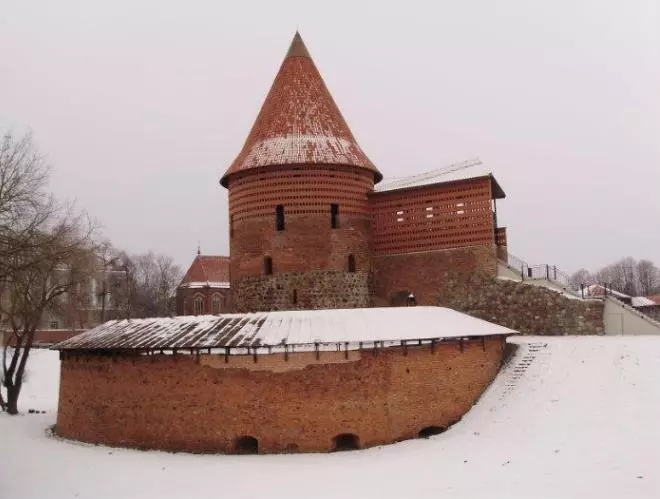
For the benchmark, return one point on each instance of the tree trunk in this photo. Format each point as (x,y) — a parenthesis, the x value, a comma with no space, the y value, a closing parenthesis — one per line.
(12,398)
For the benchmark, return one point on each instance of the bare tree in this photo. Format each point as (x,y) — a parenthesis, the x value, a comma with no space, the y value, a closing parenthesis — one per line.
(647,276)
(150,285)
(582,277)
(45,250)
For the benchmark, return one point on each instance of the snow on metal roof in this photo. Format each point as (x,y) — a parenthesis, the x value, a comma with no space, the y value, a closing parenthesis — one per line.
(206,284)
(471,168)
(350,327)
(642,301)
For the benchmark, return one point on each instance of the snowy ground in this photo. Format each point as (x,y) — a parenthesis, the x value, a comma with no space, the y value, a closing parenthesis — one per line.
(567,418)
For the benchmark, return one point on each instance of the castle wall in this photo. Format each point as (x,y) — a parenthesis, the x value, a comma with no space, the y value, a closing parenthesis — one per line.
(450,215)
(524,307)
(203,404)
(427,274)
(308,255)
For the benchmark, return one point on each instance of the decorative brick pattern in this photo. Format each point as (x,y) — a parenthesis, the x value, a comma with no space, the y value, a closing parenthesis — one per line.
(183,403)
(451,215)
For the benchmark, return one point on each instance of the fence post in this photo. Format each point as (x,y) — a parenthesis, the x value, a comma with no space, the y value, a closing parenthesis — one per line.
(547,271)
(554,269)
(522,271)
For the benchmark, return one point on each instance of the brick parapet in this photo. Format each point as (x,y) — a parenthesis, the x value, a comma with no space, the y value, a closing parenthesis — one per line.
(202,404)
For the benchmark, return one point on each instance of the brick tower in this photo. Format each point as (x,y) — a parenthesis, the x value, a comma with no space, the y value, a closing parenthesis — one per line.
(298,207)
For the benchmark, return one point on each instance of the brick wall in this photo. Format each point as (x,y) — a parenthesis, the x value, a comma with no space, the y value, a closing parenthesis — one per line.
(524,307)
(201,404)
(448,215)
(308,244)
(425,274)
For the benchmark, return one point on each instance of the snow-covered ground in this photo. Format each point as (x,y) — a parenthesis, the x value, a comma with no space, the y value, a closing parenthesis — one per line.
(569,417)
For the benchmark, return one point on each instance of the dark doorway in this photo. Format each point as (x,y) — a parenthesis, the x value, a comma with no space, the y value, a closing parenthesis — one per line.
(345,441)
(246,445)
(429,431)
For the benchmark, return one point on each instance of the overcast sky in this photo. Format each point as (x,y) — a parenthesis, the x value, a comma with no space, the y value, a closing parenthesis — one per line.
(142,105)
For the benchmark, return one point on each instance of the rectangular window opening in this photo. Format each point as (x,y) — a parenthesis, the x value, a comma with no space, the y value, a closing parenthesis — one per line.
(279,217)
(334,216)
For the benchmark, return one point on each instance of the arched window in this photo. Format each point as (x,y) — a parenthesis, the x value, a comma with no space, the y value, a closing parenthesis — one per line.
(198,305)
(345,441)
(246,445)
(279,217)
(351,263)
(268,265)
(216,304)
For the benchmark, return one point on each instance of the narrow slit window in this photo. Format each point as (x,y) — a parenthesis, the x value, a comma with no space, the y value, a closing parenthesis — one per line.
(294,299)
(351,263)
(334,216)
(268,265)
(279,217)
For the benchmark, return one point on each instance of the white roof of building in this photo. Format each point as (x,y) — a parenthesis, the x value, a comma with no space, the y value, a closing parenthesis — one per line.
(271,331)
(472,168)
(205,284)
(642,301)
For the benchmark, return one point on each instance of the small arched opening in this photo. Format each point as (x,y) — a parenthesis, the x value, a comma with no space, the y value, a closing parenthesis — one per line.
(345,441)
(246,445)
(429,431)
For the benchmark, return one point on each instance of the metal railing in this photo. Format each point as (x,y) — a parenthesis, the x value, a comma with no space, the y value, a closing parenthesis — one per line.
(548,272)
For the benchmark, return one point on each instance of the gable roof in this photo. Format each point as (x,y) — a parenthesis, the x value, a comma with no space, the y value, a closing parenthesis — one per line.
(299,123)
(207,271)
(268,332)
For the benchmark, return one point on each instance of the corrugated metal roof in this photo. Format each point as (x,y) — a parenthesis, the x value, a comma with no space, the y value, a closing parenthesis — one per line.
(277,329)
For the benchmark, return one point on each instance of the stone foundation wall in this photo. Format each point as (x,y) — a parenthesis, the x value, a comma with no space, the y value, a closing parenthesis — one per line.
(204,404)
(302,291)
(524,307)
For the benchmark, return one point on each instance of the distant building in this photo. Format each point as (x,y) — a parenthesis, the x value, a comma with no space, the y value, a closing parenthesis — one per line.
(205,287)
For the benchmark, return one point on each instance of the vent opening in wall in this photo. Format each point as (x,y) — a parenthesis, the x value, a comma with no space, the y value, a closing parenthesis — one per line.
(294,298)
(345,441)
(268,265)
(246,445)
(351,263)
(279,217)
(334,216)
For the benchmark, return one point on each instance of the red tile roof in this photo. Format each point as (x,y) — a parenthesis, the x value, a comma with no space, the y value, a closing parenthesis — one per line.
(206,268)
(655,298)
(299,122)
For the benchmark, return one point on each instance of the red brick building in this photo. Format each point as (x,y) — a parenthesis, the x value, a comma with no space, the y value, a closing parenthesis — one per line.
(205,287)
(312,226)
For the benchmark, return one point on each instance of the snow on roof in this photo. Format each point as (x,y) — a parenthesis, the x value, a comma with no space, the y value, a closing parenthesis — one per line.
(642,301)
(299,123)
(207,270)
(276,329)
(471,168)
(206,284)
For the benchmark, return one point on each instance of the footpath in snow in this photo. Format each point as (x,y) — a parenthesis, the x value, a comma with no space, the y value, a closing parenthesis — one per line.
(568,417)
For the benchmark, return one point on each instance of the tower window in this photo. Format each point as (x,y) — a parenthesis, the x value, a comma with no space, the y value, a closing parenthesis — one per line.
(351,263)
(268,265)
(279,217)
(334,216)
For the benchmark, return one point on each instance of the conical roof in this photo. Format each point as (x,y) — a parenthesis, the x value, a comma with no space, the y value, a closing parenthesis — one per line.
(299,122)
